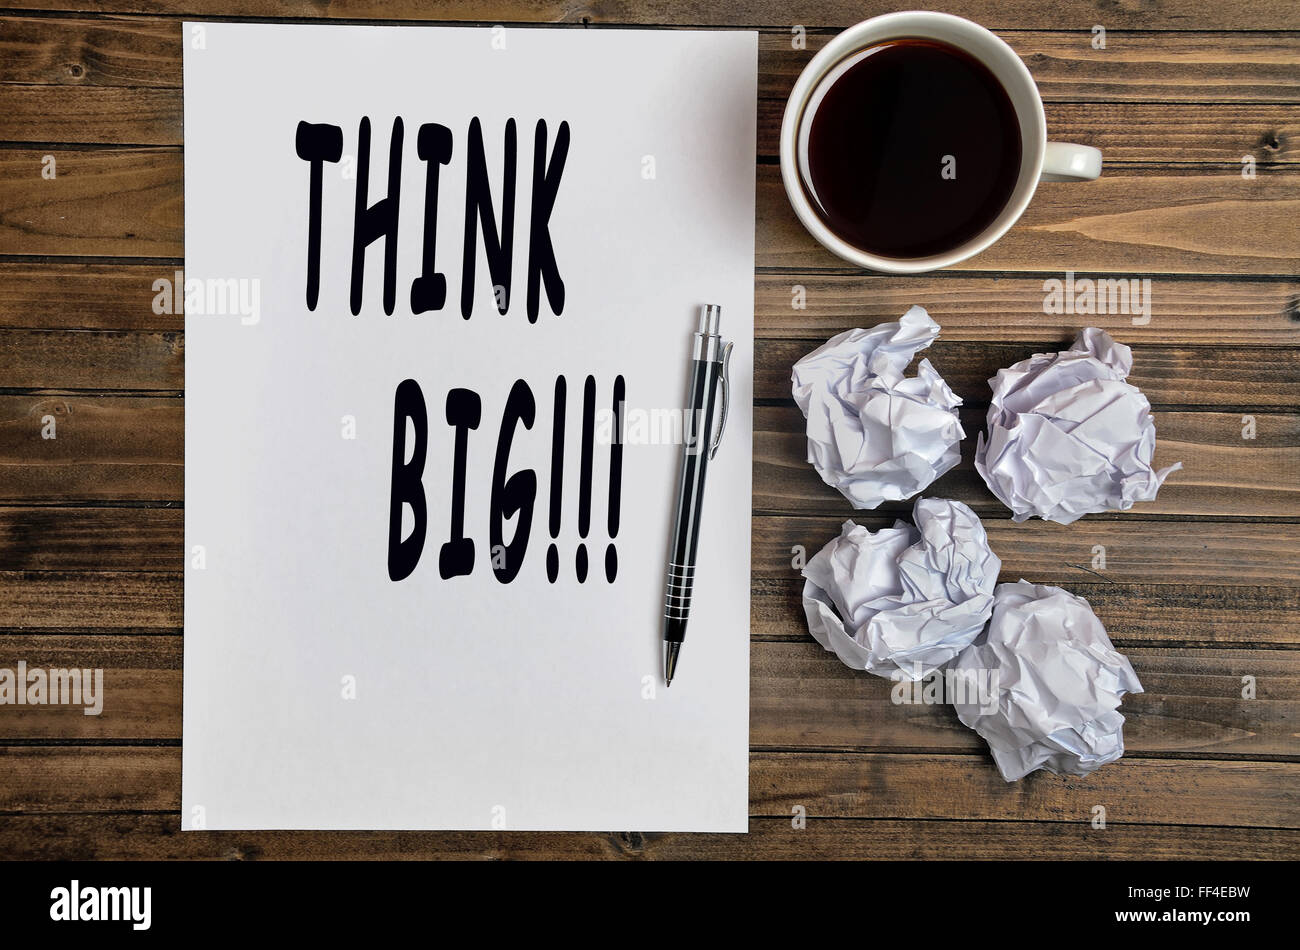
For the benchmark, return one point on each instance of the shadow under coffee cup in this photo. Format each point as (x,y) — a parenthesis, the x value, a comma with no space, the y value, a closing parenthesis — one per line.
(913,141)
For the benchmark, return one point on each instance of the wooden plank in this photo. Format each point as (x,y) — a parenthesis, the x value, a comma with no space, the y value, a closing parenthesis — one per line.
(1185,615)
(113,202)
(1195,616)
(1161,132)
(1151,132)
(66,295)
(1137,551)
(93,539)
(1223,474)
(90,779)
(157,837)
(1186,219)
(801,698)
(1220,376)
(1125,131)
(1163,582)
(1135,66)
(1209,616)
(79,779)
(91,114)
(1129,99)
(105,449)
(101,360)
(90,602)
(969,788)
(1204,67)
(141,693)
(1148,132)
(1186,311)
(1145,97)
(1032,14)
(82,52)
(1171,376)
(126,202)
(130,449)
(997,309)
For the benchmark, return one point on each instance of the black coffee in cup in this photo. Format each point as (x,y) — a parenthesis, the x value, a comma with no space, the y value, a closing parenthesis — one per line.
(913,149)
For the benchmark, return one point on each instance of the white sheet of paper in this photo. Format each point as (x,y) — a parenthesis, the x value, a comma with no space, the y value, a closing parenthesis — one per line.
(319,693)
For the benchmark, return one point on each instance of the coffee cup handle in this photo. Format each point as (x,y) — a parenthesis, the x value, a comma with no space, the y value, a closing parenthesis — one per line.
(1065,162)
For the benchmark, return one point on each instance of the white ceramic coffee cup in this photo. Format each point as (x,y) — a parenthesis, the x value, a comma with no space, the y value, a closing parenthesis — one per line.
(1040,159)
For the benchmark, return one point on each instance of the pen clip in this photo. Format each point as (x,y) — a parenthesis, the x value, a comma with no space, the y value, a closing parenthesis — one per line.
(726,399)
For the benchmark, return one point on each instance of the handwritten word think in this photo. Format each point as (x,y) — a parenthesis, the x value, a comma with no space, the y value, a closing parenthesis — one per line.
(317,144)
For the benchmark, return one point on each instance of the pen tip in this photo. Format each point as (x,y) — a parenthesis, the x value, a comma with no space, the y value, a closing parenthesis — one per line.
(671,651)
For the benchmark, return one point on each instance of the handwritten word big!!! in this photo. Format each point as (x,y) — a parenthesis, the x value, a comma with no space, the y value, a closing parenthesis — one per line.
(318,144)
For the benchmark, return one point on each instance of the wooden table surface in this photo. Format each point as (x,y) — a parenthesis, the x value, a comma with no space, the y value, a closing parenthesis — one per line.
(1200,587)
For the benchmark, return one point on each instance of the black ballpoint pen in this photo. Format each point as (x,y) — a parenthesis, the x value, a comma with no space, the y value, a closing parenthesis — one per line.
(710,362)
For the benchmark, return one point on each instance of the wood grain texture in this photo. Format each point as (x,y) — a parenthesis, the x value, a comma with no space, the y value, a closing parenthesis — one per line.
(1178,615)
(1212,133)
(91,115)
(802,698)
(1137,551)
(90,602)
(141,687)
(1133,220)
(1172,615)
(101,360)
(127,202)
(959,788)
(47,309)
(1208,377)
(130,449)
(962,788)
(1229,376)
(1167,68)
(832,14)
(1192,702)
(157,836)
(1207,96)
(1187,311)
(1204,66)
(105,449)
(61,295)
(54,294)
(93,539)
(1260,118)
(111,202)
(1199,588)
(1223,474)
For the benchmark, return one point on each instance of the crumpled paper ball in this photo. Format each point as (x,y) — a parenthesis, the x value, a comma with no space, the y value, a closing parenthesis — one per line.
(1068,436)
(872,434)
(902,601)
(1058,684)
